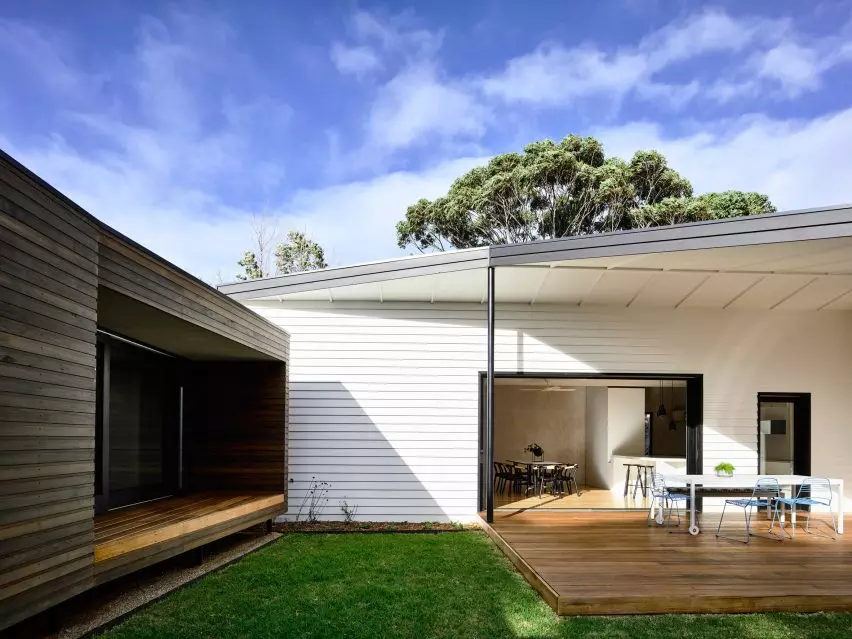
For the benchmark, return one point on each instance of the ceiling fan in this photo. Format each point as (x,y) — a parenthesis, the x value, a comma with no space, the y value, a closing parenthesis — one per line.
(549,388)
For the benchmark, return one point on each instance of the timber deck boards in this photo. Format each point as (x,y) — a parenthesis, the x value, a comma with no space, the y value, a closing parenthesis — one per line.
(613,563)
(149,525)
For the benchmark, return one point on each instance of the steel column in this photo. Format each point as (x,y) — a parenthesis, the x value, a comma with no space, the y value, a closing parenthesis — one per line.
(489,405)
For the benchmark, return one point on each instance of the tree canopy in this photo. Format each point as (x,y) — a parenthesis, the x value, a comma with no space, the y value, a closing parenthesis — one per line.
(299,253)
(554,190)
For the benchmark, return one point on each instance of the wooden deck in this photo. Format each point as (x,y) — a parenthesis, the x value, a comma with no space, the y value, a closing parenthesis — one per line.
(613,563)
(138,536)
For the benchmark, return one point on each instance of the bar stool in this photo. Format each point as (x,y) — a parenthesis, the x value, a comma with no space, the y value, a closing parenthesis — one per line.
(641,480)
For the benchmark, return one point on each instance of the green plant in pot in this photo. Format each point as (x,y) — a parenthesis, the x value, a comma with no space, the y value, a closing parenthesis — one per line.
(535,449)
(724,469)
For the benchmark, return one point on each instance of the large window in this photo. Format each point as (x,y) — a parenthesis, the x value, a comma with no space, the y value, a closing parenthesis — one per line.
(138,423)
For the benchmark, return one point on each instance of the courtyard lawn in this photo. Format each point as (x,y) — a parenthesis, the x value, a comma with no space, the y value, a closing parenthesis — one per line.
(419,586)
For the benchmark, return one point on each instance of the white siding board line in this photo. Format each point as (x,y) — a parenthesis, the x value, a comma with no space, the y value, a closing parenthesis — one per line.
(384,397)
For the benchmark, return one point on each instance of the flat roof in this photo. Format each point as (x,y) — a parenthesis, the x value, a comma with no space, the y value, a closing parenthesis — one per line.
(815,224)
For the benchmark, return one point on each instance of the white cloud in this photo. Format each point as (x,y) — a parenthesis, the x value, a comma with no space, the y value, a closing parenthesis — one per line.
(357,60)
(553,74)
(415,107)
(798,163)
(764,58)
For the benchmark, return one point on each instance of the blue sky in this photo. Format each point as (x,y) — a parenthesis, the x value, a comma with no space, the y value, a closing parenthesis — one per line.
(178,123)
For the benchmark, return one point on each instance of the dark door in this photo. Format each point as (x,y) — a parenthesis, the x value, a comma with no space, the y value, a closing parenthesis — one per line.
(137,424)
(784,433)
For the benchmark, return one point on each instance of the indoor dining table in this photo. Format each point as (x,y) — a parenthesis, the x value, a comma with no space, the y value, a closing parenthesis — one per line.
(534,467)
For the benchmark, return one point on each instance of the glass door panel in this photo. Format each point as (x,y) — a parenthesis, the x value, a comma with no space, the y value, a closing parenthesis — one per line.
(776,432)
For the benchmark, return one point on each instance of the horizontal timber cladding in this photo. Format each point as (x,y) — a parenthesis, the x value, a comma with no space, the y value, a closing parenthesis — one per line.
(235,426)
(48,318)
(384,399)
(137,274)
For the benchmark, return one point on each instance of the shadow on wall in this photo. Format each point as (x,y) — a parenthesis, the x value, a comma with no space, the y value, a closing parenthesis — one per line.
(393,470)
(562,339)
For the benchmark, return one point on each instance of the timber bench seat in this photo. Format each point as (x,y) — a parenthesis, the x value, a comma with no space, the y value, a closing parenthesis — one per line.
(137,536)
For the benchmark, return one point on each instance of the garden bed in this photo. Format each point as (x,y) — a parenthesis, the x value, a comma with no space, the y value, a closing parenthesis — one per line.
(369,527)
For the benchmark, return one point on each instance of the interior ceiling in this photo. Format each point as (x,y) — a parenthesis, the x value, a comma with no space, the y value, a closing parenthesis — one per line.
(128,317)
(561,382)
(802,275)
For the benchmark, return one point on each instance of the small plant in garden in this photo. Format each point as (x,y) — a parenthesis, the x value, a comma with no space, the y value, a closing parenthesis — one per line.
(427,525)
(316,499)
(724,468)
(349,511)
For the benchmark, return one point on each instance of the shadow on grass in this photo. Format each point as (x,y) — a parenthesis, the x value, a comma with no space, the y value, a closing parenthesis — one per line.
(418,586)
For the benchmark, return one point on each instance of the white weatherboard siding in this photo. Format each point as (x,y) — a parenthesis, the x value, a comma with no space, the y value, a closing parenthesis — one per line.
(384,399)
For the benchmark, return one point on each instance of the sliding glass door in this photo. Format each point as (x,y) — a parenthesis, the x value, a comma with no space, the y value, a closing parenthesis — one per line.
(138,423)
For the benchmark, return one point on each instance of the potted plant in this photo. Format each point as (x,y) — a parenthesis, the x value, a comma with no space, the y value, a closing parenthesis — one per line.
(724,469)
(535,449)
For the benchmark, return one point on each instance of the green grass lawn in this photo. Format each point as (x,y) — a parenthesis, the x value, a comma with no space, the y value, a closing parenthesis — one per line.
(419,586)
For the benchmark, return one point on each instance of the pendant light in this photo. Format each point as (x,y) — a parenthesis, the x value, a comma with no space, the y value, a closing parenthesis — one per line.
(672,422)
(661,411)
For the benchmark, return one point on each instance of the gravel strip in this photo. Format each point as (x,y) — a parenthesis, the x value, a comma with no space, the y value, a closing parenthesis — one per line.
(109,604)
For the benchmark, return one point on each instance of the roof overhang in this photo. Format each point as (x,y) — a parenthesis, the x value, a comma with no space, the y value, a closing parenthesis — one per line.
(797,260)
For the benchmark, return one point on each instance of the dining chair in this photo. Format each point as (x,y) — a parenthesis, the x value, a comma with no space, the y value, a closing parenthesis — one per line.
(765,491)
(814,491)
(570,478)
(554,477)
(664,499)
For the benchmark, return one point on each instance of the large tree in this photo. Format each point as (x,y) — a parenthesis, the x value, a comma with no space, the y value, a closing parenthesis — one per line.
(554,190)
(298,253)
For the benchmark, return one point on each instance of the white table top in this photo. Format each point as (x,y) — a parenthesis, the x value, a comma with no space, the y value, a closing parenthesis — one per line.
(739,481)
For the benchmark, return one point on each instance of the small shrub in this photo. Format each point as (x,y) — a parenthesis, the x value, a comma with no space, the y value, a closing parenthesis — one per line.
(349,511)
(316,499)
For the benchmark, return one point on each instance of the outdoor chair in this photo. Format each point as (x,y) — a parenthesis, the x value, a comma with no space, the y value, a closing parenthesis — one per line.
(664,499)
(814,491)
(765,491)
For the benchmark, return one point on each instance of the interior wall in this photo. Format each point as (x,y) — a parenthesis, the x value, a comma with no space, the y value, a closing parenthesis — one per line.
(626,421)
(554,420)
(597,468)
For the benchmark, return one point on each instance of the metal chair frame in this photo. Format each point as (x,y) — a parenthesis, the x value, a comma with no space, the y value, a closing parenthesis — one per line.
(764,492)
(805,497)
(667,500)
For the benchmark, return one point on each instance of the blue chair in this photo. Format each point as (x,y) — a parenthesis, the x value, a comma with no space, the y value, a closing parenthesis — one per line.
(765,491)
(814,491)
(664,499)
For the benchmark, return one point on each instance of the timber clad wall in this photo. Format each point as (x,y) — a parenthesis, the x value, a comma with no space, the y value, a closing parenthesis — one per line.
(48,317)
(385,399)
(136,274)
(235,430)
(56,264)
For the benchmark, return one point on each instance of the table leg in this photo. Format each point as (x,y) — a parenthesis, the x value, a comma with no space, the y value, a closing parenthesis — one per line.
(840,507)
(792,511)
(693,525)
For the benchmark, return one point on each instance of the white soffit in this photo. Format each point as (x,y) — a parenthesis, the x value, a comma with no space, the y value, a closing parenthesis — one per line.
(567,285)
(819,294)
(667,289)
(771,291)
(801,275)
(617,288)
(720,289)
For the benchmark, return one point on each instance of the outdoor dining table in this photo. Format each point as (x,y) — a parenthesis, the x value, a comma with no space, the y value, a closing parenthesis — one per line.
(746,483)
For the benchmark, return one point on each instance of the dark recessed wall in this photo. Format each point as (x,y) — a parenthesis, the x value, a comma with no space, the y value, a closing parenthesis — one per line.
(235,426)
